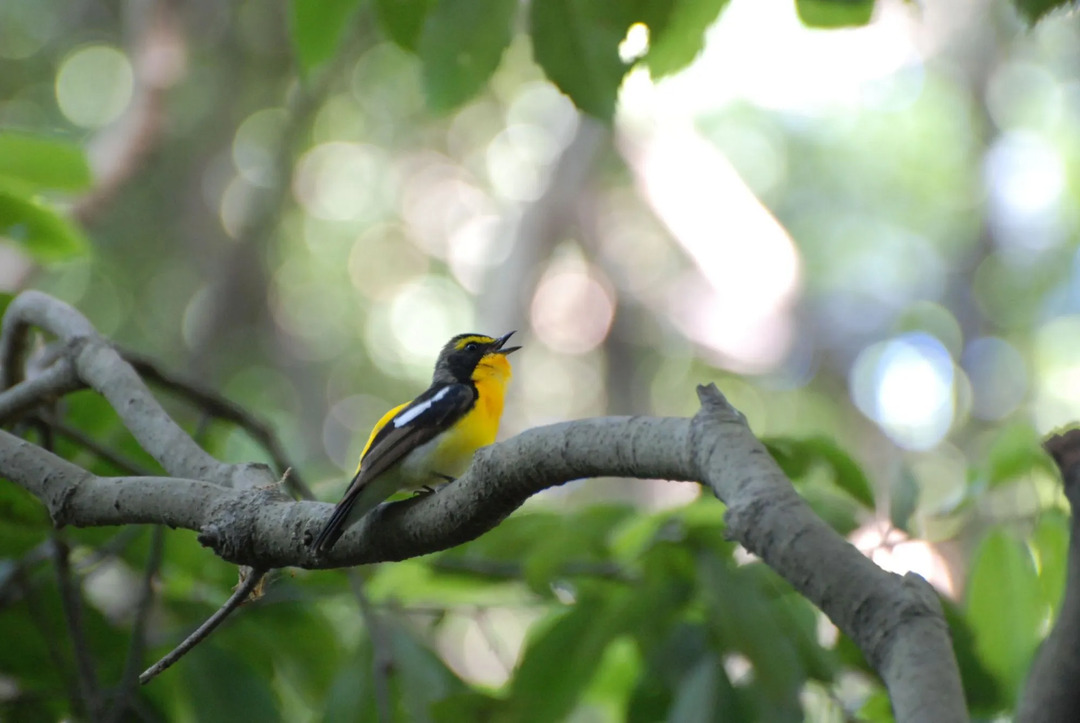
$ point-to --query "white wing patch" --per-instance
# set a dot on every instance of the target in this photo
(410, 414)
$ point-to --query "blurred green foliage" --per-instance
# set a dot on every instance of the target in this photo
(279, 213)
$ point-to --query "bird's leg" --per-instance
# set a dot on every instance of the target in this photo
(428, 489)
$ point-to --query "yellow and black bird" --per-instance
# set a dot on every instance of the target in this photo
(433, 437)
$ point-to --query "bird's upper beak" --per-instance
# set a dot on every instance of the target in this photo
(498, 347)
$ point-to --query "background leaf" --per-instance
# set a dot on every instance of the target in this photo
(43, 163)
(576, 42)
(676, 43)
(460, 47)
(834, 13)
(41, 230)
(1034, 10)
(403, 20)
(318, 27)
(1004, 609)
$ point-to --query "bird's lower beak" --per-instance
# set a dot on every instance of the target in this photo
(499, 348)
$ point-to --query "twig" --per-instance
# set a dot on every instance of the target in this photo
(213, 403)
(72, 604)
(494, 643)
(382, 657)
(100, 367)
(238, 597)
(509, 569)
(99, 450)
(137, 648)
(56, 381)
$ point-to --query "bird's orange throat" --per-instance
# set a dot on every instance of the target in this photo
(491, 376)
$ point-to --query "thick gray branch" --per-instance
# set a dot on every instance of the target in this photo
(895, 621)
(1052, 692)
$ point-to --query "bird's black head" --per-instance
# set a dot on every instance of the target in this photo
(458, 359)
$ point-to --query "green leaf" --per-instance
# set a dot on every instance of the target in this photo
(303, 644)
(423, 678)
(675, 44)
(576, 42)
(981, 690)
(1034, 10)
(40, 229)
(834, 13)
(581, 538)
(877, 709)
(1051, 543)
(743, 617)
(460, 47)
(705, 695)
(1004, 609)
(318, 28)
(470, 705)
(560, 661)
(352, 698)
(24, 523)
(402, 20)
(1016, 450)
(222, 686)
(43, 163)
(838, 511)
(798, 456)
(903, 499)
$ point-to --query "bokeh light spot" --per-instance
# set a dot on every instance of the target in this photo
(343, 181)
(906, 385)
(999, 377)
(94, 85)
(572, 310)
(255, 145)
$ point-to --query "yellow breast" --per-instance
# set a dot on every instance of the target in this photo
(480, 426)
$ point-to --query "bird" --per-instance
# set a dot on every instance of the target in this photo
(434, 436)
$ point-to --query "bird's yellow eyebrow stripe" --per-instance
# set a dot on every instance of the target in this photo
(469, 339)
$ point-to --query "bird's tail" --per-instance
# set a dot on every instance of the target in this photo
(354, 507)
(332, 530)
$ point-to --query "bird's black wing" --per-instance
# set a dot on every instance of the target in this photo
(434, 411)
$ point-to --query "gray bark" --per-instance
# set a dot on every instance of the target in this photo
(243, 516)
(1052, 692)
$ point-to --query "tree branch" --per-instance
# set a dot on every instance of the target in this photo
(137, 647)
(219, 407)
(99, 367)
(897, 622)
(1052, 692)
(243, 591)
(71, 600)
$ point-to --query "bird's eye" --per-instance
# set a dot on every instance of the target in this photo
(472, 346)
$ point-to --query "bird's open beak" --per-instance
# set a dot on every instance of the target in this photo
(498, 345)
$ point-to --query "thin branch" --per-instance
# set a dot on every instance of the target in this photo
(512, 570)
(101, 368)
(494, 643)
(55, 381)
(243, 591)
(382, 655)
(81, 438)
(896, 622)
(71, 601)
(137, 647)
(212, 402)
